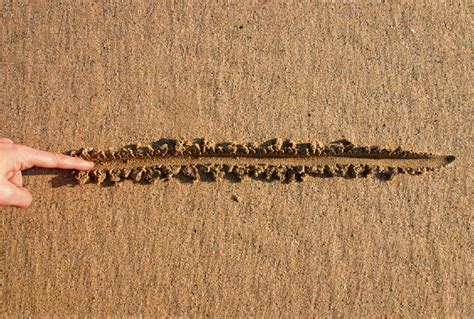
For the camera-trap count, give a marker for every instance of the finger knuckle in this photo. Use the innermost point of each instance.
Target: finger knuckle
(58, 156)
(16, 148)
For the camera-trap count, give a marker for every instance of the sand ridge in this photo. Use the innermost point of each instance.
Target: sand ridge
(277, 159)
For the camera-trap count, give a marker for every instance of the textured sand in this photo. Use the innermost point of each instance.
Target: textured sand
(100, 75)
(273, 160)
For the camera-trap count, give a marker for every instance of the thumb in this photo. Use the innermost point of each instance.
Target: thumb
(12, 195)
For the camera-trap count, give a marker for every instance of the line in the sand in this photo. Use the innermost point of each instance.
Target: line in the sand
(433, 161)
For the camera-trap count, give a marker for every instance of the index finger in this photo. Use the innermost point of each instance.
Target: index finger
(34, 157)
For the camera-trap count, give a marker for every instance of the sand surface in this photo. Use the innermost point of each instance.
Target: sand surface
(109, 75)
(273, 160)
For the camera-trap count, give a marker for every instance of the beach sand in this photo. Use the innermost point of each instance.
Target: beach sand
(103, 76)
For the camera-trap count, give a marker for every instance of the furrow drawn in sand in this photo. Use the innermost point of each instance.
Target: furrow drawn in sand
(277, 159)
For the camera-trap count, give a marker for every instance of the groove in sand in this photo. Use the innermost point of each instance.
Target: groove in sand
(273, 160)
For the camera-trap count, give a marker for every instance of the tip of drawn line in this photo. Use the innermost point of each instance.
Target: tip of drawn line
(450, 158)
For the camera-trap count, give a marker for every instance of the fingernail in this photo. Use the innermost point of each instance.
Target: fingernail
(88, 163)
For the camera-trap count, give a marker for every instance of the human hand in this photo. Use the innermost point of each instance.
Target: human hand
(15, 158)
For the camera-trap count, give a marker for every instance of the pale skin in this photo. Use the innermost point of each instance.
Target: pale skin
(14, 158)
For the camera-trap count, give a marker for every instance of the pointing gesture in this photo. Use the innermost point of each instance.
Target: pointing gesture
(15, 158)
